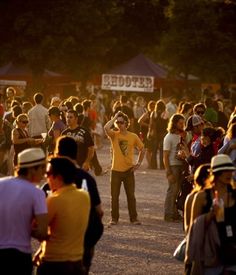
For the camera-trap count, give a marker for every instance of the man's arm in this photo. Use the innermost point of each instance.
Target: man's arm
(40, 227)
(166, 161)
(109, 124)
(140, 158)
(99, 210)
(90, 154)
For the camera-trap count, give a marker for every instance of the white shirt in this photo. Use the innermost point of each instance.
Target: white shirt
(171, 109)
(38, 120)
(170, 144)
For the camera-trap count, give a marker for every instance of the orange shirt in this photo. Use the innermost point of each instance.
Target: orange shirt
(123, 146)
(68, 211)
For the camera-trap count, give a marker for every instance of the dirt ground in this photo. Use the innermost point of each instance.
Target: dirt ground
(137, 249)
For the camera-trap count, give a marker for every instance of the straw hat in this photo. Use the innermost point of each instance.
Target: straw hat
(31, 157)
(221, 162)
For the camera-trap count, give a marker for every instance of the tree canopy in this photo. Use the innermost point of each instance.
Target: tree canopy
(88, 37)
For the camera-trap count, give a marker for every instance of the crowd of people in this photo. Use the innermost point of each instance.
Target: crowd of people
(53, 145)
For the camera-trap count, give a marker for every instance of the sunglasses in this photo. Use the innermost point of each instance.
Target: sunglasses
(24, 121)
(200, 112)
(120, 122)
(48, 174)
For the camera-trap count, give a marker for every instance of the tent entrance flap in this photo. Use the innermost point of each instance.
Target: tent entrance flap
(132, 83)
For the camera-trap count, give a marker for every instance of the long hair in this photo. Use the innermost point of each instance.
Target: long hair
(172, 125)
(231, 132)
(160, 106)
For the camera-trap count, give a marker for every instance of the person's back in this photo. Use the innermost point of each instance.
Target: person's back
(19, 200)
(68, 212)
(23, 213)
(68, 209)
(38, 118)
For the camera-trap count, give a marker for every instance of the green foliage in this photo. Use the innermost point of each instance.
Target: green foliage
(88, 37)
(201, 39)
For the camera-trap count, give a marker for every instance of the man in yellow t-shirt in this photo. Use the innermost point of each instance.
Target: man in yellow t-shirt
(123, 144)
(68, 212)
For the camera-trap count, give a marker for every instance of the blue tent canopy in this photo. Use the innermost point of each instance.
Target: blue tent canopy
(140, 65)
(11, 69)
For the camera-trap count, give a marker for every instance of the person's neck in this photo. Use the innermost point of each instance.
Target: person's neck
(123, 131)
(221, 187)
(73, 127)
(178, 132)
(56, 119)
(27, 178)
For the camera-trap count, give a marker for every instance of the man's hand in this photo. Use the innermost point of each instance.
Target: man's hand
(136, 166)
(85, 166)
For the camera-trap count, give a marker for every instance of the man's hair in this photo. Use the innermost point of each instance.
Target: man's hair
(15, 103)
(86, 104)
(209, 132)
(79, 108)
(172, 125)
(71, 111)
(23, 171)
(160, 106)
(209, 102)
(61, 166)
(53, 110)
(80, 119)
(38, 98)
(123, 99)
(69, 105)
(16, 110)
(66, 147)
(199, 105)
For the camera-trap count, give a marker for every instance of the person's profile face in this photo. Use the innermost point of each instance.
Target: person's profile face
(180, 124)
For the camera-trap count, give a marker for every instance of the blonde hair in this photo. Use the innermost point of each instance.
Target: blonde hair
(21, 116)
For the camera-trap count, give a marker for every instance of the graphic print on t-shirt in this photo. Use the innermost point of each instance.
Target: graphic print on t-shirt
(123, 146)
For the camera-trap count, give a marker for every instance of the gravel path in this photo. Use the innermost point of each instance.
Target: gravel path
(137, 249)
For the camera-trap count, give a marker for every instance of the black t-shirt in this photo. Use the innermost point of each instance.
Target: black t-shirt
(87, 123)
(95, 226)
(84, 141)
(91, 184)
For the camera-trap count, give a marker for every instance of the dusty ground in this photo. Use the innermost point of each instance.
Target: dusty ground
(141, 249)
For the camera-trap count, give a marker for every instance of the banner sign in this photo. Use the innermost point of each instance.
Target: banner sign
(13, 83)
(132, 83)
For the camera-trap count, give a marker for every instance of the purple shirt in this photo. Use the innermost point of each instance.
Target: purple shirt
(20, 201)
(58, 125)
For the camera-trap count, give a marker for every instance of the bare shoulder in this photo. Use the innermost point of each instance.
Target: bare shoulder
(200, 197)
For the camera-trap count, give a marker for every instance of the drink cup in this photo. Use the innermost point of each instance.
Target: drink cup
(44, 135)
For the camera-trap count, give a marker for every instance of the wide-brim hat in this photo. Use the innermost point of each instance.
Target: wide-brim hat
(31, 157)
(221, 162)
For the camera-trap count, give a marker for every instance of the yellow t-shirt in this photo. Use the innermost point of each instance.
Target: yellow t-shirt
(123, 146)
(68, 211)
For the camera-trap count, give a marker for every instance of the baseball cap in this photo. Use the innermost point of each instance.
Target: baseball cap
(193, 121)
